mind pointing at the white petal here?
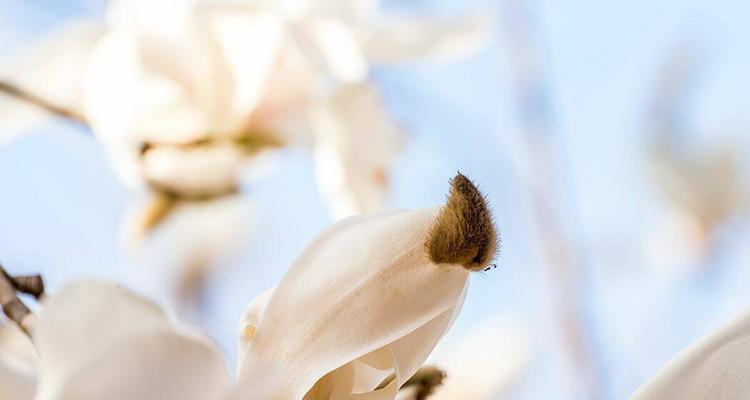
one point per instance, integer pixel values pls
(52, 69)
(417, 39)
(251, 42)
(159, 366)
(200, 170)
(83, 319)
(363, 285)
(333, 46)
(715, 367)
(249, 324)
(472, 364)
(355, 145)
(110, 87)
(199, 235)
(18, 364)
(139, 85)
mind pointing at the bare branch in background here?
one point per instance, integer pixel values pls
(12, 306)
(563, 265)
(20, 94)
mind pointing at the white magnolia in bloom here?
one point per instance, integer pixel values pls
(182, 92)
(369, 298)
(716, 367)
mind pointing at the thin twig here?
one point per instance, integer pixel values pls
(25, 96)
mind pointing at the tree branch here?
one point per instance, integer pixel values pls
(20, 94)
(12, 306)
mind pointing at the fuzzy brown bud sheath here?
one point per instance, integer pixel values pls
(464, 232)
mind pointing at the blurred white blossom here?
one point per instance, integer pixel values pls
(183, 94)
(484, 362)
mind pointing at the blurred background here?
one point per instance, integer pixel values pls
(610, 139)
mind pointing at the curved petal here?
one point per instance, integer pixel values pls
(417, 39)
(18, 364)
(162, 365)
(251, 41)
(472, 367)
(84, 319)
(355, 144)
(715, 367)
(193, 171)
(332, 46)
(249, 324)
(140, 88)
(362, 285)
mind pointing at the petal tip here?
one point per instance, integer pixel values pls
(464, 232)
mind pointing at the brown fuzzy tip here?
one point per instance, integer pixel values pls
(464, 232)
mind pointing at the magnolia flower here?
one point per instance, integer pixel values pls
(370, 297)
(716, 367)
(182, 92)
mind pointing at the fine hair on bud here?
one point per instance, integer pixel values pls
(464, 232)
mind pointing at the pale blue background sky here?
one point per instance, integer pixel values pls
(60, 206)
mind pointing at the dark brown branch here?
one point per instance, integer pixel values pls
(12, 306)
(20, 94)
(33, 285)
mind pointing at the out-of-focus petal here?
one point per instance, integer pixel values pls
(483, 362)
(159, 85)
(99, 340)
(251, 42)
(365, 284)
(84, 319)
(355, 144)
(333, 46)
(161, 365)
(198, 234)
(194, 171)
(18, 364)
(110, 88)
(52, 69)
(715, 367)
(420, 39)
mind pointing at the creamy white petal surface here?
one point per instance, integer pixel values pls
(483, 362)
(716, 367)
(194, 171)
(425, 39)
(355, 144)
(99, 340)
(18, 363)
(362, 296)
